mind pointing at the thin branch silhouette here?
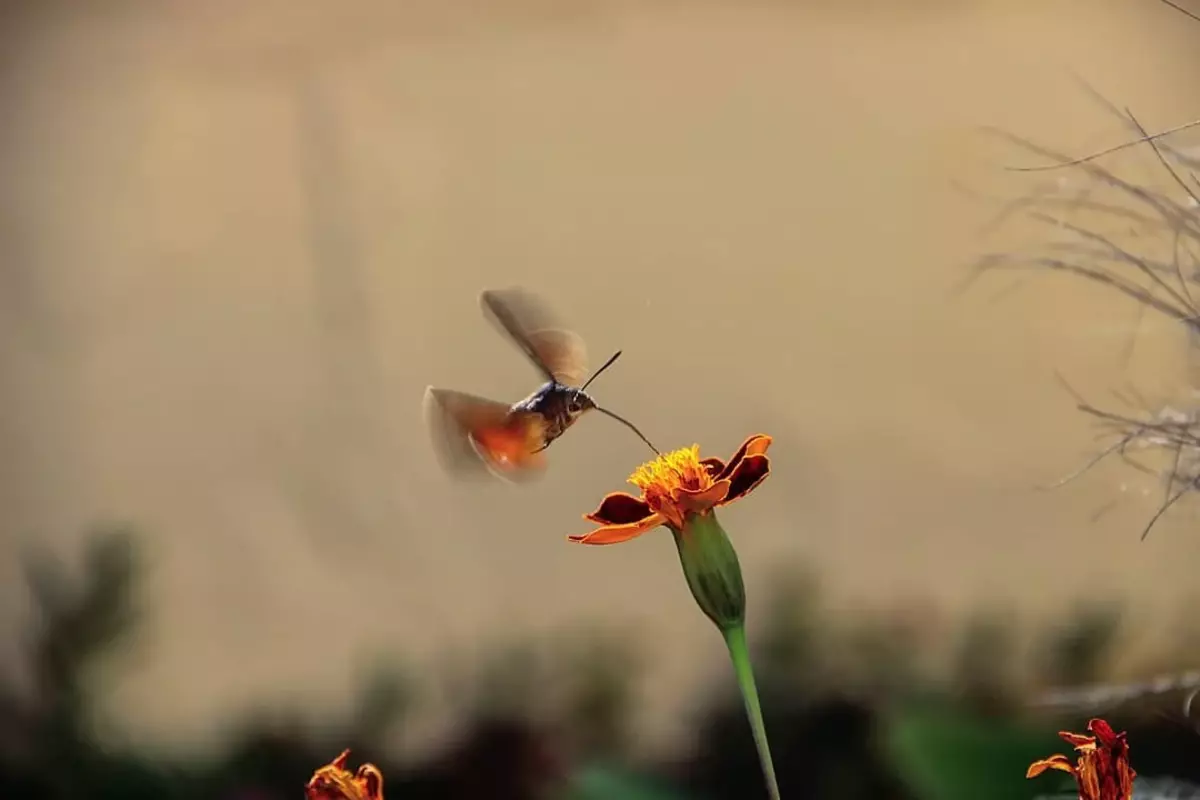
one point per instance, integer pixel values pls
(1181, 9)
(1135, 238)
(1145, 138)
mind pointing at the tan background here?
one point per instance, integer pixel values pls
(239, 239)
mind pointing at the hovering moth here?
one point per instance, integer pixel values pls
(473, 434)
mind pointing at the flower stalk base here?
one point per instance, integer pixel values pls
(739, 653)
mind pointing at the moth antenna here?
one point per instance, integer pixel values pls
(628, 424)
(603, 367)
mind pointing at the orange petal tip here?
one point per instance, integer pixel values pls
(1053, 762)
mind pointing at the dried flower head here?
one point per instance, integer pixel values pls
(1102, 770)
(334, 782)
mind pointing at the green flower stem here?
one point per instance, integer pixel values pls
(711, 567)
(739, 653)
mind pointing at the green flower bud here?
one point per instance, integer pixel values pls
(711, 567)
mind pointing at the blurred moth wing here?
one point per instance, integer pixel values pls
(475, 436)
(564, 354)
(559, 353)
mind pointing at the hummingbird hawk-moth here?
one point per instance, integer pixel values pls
(473, 434)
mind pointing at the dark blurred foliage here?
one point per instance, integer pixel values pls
(984, 663)
(851, 709)
(1075, 653)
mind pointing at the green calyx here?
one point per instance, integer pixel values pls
(711, 568)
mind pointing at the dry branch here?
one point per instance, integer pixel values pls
(1153, 261)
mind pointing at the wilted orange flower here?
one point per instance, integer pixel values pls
(334, 782)
(1103, 771)
(675, 486)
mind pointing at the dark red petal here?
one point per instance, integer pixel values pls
(750, 472)
(715, 466)
(619, 508)
(1103, 731)
(754, 445)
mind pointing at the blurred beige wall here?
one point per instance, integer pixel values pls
(239, 239)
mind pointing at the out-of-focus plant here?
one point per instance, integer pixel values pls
(609, 783)
(882, 656)
(599, 693)
(75, 623)
(984, 667)
(1076, 651)
(388, 696)
(945, 751)
(790, 643)
(840, 730)
(505, 682)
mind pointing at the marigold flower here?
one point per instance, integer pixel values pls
(681, 490)
(675, 486)
(1102, 771)
(334, 782)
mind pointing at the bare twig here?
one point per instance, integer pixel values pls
(1093, 461)
(1124, 255)
(1163, 206)
(1074, 162)
(1087, 243)
(1163, 160)
(1180, 9)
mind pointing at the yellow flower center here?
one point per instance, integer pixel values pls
(661, 478)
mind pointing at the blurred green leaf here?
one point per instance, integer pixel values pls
(948, 754)
(599, 782)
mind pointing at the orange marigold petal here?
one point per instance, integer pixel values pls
(698, 501)
(715, 466)
(619, 508)
(758, 444)
(752, 471)
(615, 534)
(1079, 740)
(1058, 762)
(754, 445)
